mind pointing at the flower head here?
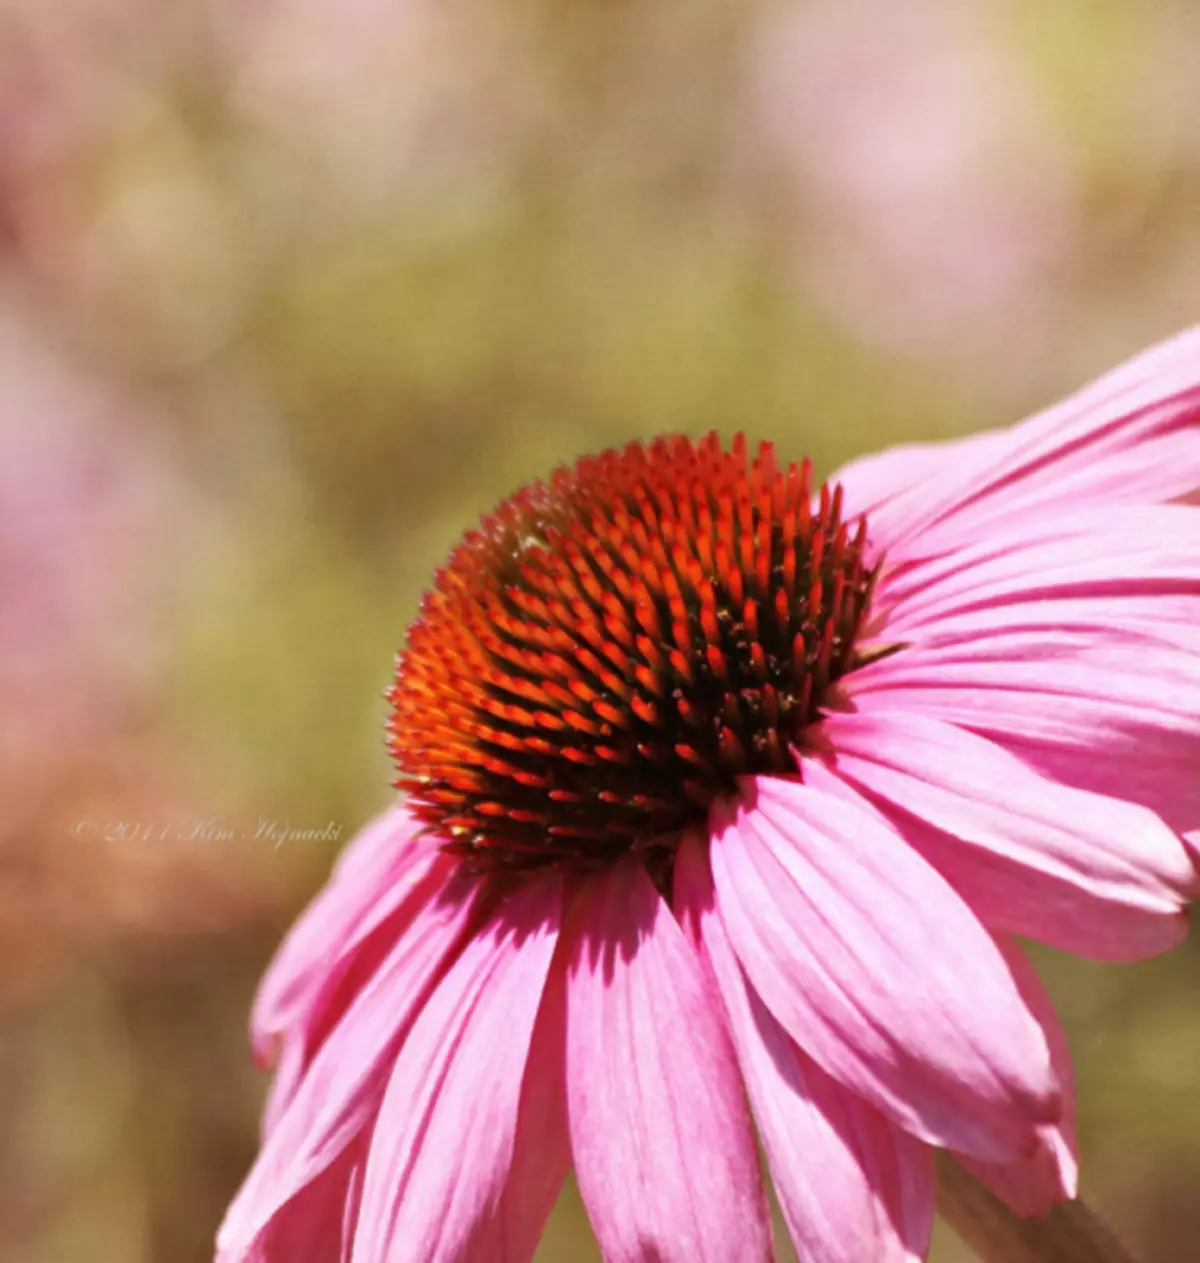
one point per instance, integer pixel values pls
(609, 653)
(723, 799)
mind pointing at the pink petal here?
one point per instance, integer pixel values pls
(1127, 438)
(317, 1225)
(1123, 439)
(470, 1093)
(898, 476)
(1116, 712)
(660, 1132)
(878, 970)
(1120, 471)
(1066, 623)
(851, 1185)
(1090, 874)
(541, 1151)
(1075, 644)
(1035, 1185)
(371, 877)
(374, 850)
(356, 947)
(1121, 692)
(293, 1060)
(1112, 553)
(336, 1101)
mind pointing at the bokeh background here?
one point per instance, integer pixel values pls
(292, 290)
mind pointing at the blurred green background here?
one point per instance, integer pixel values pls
(292, 290)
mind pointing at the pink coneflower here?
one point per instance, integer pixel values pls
(385, 95)
(927, 194)
(723, 798)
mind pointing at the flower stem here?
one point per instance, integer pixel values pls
(1071, 1233)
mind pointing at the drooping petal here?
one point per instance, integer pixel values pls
(1066, 624)
(1090, 874)
(1126, 438)
(660, 1131)
(334, 949)
(851, 1184)
(878, 970)
(1111, 553)
(363, 910)
(292, 1061)
(897, 477)
(336, 1101)
(371, 878)
(316, 1225)
(1076, 645)
(437, 1184)
(541, 1150)
(1033, 1186)
(1109, 707)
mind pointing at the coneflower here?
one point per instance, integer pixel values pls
(723, 797)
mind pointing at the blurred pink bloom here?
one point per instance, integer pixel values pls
(926, 193)
(72, 75)
(64, 67)
(377, 92)
(97, 533)
(1003, 742)
(108, 202)
(85, 508)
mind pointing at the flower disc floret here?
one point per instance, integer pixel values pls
(612, 648)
